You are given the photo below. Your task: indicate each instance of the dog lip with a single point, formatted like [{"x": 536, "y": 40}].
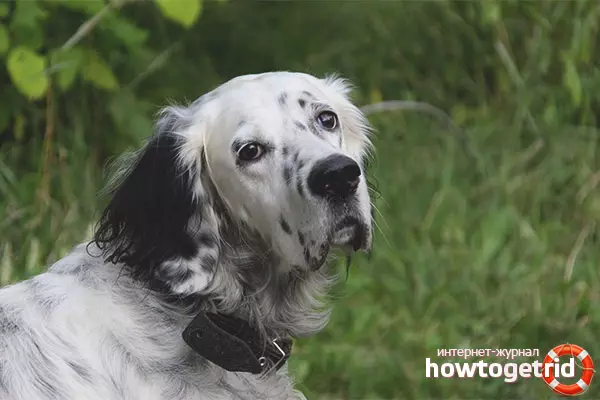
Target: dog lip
[
  {"x": 350, "y": 232},
  {"x": 347, "y": 221}
]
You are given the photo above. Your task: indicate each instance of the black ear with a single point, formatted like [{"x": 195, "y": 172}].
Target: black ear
[{"x": 146, "y": 221}]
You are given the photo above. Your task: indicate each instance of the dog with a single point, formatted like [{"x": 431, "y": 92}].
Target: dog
[{"x": 210, "y": 256}]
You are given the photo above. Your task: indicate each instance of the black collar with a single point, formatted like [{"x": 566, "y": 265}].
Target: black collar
[{"x": 234, "y": 345}]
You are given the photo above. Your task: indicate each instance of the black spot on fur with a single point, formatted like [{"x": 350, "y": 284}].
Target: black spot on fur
[
  {"x": 302, "y": 102},
  {"x": 299, "y": 187},
  {"x": 307, "y": 255},
  {"x": 241, "y": 123},
  {"x": 296, "y": 155},
  {"x": 308, "y": 94},
  {"x": 284, "y": 225},
  {"x": 146, "y": 221},
  {"x": 282, "y": 99},
  {"x": 300, "y": 125},
  {"x": 323, "y": 250},
  {"x": 301, "y": 238},
  {"x": 314, "y": 129},
  {"x": 287, "y": 173},
  {"x": 285, "y": 151},
  {"x": 7, "y": 325},
  {"x": 300, "y": 164}
]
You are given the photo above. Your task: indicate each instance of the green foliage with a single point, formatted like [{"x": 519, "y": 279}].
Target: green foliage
[
  {"x": 68, "y": 63},
  {"x": 27, "y": 70},
  {"x": 184, "y": 12},
  {"x": 499, "y": 252},
  {"x": 97, "y": 72}
]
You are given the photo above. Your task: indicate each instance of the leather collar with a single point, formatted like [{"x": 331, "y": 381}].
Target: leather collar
[{"x": 234, "y": 345}]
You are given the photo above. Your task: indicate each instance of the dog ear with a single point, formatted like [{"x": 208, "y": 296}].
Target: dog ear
[{"x": 159, "y": 221}]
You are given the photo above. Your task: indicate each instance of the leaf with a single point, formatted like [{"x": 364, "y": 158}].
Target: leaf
[
  {"x": 4, "y": 39},
  {"x": 27, "y": 14},
  {"x": 27, "y": 71},
  {"x": 66, "y": 64},
  {"x": 184, "y": 12},
  {"x": 127, "y": 32},
  {"x": 25, "y": 24},
  {"x": 98, "y": 73}
]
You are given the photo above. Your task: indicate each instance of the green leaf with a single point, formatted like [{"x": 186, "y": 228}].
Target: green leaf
[
  {"x": 28, "y": 36},
  {"x": 127, "y": 32},
  {"x": 184, "y": 12},
  {"x": 27, "y": 14},
  {"x": 25, "y": 24},
  {"x": 27, "y": 71},
  {"x": 4, "y": 39},
  {"x": 66, "y": 64},
  {"x": 98, "y": 73}
]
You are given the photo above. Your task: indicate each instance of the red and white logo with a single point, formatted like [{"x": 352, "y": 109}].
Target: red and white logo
[{"x": 551, "y": 362}]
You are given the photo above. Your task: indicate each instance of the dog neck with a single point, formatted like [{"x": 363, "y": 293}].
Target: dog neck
[{"x": 248, "y": 281}]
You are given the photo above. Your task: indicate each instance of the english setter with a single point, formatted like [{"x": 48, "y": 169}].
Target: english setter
[{"x": 209, "y": 257}]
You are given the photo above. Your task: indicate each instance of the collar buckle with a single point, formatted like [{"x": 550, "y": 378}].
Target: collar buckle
[{"x": 278, "y": 360}]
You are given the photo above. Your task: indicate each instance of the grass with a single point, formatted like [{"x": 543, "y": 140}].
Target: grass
[{"x": 494, "y": 251}]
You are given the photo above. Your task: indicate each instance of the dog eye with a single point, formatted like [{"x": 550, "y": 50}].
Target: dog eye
[
  {"x": 328, "y": 120},
  {"x": 250, "y": 152}
]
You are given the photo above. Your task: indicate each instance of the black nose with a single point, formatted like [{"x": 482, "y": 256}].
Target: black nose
[{"x": 335, "y": 177}]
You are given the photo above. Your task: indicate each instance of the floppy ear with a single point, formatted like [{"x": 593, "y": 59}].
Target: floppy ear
[{"x": 155, "y": 222}]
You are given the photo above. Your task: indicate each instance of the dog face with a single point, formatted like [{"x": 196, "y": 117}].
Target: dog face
[
  {"x": 285, "y": 156},
  {"x": 281, "y": 153}
]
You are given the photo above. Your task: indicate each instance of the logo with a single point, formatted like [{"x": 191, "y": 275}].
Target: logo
[{"x": 551, "y": 369}]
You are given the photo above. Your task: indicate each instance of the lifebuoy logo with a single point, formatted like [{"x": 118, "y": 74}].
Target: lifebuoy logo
[
  {"x": 580, "y": 366},
  {"x": 551, "y": 365}
]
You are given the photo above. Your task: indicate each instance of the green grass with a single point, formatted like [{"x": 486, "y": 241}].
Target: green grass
[{"x": 494, "y": 251}]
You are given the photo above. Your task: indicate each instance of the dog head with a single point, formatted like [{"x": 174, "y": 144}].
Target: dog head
[{"x": 279, "y": 156}]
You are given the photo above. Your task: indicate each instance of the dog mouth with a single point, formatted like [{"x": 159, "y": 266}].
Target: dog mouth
[{"x": 349, "y": 234}]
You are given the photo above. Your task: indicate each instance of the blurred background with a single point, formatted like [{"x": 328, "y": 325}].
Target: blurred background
[{"x": 485, "y": 242}]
